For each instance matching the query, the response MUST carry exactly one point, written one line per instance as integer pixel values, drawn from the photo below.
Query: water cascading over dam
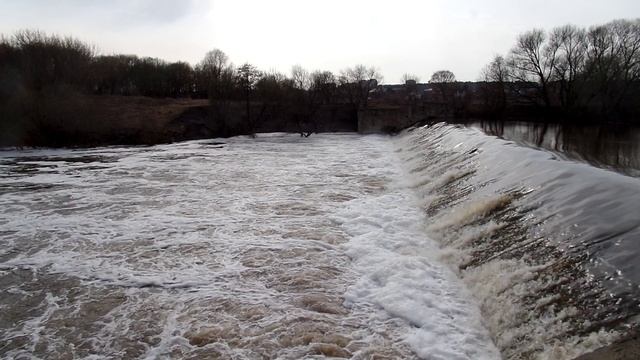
(439, 243)
(549, 247)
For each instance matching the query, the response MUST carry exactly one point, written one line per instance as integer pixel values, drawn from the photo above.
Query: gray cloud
(129, 13)
(157, 11)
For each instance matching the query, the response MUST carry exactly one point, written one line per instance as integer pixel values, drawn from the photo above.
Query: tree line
(571, 70)
(38, 69)
(568, 71)
(34, 61)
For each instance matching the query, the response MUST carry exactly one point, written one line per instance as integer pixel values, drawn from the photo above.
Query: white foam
(401, 273)
(171, 240)
(521, 313)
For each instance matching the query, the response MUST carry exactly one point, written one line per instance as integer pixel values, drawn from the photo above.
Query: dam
(442, 242)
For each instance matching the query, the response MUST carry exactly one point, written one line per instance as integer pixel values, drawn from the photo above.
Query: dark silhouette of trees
(410, 77)
(310, 91)
(148, 77)
(442, 77)
(570, 62)
(130, 75)
(44, 60)
(613, 61)
(214, 76)
(36, 69)
(444, 81)
(495, 76)
(112, 74)
(214, 62)
(532, 61)
(300, 77)
(496, 71)
(216, 79)
(273, 89)
(247, 78)
(324, 84)
(356, 83)
(48, 82)
(179, 79)
(575, 70)
(305, 101)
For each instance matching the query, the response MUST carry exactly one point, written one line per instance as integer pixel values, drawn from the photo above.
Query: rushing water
(615, 147)
(440, 243)
(275, 247)
(548, 246)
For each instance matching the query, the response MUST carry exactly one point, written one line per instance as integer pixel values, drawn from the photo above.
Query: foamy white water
(275, 247)
(547, 246)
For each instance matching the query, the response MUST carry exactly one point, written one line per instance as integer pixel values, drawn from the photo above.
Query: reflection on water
(616, 147)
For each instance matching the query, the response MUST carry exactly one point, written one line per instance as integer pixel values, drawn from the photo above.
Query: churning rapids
(440, 243)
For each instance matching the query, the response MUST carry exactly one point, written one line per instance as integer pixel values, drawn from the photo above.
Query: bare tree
(613, 60)
(531, 61)
(496, 76)
(214, 61)
(324, 84)
(572, 67)
(628, 34)
(301, 77)
(248, 76)
(571, 44)
(497, 70)
(443, 80)
(311, 90)
(360, 73)
(274, 90)
(179, 78)
(211, 74)
(271, 86)
(52, 60)
(410, 77)
(357, 82)
(442, 77)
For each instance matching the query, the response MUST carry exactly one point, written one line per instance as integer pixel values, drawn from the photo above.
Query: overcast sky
(396, 36)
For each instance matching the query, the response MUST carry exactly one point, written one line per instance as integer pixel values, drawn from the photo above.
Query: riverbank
(76, 120)
(89, 120)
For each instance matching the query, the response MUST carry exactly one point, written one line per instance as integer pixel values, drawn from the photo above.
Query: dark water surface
(615, 147)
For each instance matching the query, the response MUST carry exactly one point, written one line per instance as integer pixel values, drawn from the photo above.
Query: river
(278, 246)
(440, 243)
